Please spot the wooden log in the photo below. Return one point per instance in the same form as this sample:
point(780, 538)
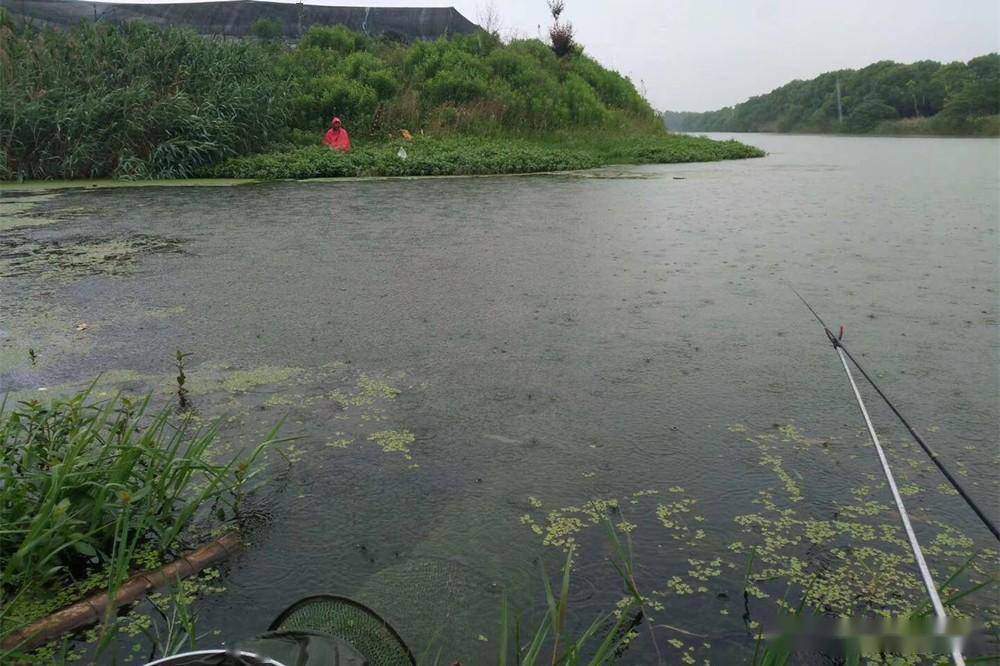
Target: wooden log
point(92, 610)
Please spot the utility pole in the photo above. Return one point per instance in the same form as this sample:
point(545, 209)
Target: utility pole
point(840, 108)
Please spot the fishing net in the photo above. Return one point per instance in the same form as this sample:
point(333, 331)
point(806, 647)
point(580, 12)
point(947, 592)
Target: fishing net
point(351, 622)
point(324, 630)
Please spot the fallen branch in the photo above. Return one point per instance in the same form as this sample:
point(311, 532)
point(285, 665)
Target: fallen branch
point(93, 609)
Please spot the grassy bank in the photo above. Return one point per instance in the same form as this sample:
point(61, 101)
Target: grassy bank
point(142, 102)
point(91, 491)
point(473, 156)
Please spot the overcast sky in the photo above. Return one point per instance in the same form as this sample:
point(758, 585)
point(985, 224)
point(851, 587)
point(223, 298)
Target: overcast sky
point(697, 55)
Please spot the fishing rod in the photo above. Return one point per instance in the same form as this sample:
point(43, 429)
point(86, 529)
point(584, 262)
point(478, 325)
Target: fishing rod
point(918, 555)
point(838, 344)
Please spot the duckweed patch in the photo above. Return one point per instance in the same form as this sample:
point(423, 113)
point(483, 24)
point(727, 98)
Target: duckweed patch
point(855, 561)
point(360, 403)
point(72, 258)
point(41, 325)
point(560, 527)
point(394, 441)
point(852, 559)
point(245, 380)
point(17, 212)
point(34, 186)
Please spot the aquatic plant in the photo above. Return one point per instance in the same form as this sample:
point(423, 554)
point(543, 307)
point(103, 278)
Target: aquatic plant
point(551, 642)
point(851, 561)
point(91, 486)
point(183, 402)
point(470, 156)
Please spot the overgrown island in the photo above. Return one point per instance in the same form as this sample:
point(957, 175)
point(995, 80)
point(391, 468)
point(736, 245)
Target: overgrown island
point(887, 98)
point(140, 102)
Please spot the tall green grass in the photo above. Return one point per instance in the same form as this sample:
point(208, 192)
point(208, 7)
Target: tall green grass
point(87, 486)
point(131, 102)
point(553, 642)
point(140, 102)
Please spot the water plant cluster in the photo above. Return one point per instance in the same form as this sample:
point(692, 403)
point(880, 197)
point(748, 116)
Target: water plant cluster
point(466, 155)
point(787, 559)
point(140, 101)
point(92, 490)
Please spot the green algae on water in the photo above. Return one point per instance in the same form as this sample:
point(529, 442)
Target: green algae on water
point(17, 212)
point(244, 380)
point(107, 183)
point(850, 561)
point(70, 260)
point(394, 441)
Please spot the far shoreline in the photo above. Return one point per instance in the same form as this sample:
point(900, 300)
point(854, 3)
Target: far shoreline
point(847, 135)
point(39, 186)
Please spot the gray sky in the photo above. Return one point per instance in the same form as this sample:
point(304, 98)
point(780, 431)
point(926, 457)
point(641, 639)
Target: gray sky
point(697, 55)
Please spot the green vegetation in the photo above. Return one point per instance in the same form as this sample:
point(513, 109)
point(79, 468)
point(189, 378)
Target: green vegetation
point(471, 155)
point(925, 97)
point(796, 561)
point(552, 642)
point(90, 491)
point(141, 102)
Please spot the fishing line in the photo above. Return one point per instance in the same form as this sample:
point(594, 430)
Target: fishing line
point(918, 555)
point(839, 345)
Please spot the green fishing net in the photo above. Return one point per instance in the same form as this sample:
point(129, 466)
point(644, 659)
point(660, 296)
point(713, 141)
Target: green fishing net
point(324, 630)
point(351, 622)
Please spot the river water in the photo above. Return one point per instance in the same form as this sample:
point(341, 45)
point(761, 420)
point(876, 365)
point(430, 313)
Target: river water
point(547, 341)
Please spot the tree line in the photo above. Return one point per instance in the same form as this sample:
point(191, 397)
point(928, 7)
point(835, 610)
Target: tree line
point(885, 97)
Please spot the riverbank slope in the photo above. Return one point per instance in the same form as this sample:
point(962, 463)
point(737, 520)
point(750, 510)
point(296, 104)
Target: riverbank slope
point(140, 102)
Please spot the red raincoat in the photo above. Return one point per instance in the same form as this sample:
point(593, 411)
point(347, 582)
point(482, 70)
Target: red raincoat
point(337, 138)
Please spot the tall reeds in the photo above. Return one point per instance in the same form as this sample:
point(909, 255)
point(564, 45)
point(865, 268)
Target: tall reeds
point(133, 102)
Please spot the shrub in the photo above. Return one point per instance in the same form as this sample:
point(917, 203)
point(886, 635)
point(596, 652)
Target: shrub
point(455, 85)
point(268, 30)
point(868, 114)
point(338, 39)
point(561, 35)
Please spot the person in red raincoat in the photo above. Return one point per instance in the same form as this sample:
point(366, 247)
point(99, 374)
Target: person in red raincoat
point(337, 138)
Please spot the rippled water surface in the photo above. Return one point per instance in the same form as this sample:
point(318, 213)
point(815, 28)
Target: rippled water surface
point(546, 341)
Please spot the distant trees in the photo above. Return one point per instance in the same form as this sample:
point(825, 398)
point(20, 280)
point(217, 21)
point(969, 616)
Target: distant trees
point(866, 115)
point(954, 97)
